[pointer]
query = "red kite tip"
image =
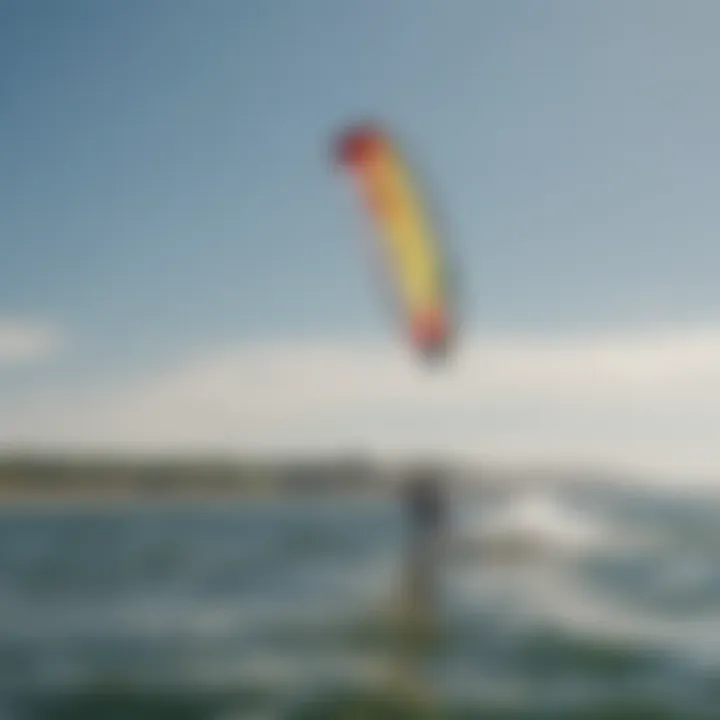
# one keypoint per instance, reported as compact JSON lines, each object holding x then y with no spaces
{"x":358,"y":144}
{"x":430,"y":331}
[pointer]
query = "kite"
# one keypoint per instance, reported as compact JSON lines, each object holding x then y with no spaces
{"x":412,"y":247}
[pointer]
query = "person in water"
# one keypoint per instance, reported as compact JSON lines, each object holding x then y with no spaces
{"x":427,"y":518}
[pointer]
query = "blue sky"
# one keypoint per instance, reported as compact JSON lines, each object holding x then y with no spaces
{"x":166,"y":186}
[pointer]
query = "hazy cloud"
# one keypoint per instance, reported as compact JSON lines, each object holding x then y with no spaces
{"x":26,"y":341}
{"x":642,"y":400}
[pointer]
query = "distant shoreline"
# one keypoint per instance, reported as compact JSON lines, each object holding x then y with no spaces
{"x":98,"y":481}
{"x":33,"y":480}
{"x":23,"y":504}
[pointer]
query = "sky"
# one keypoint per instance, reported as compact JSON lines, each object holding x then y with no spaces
{"x":182,"y":267}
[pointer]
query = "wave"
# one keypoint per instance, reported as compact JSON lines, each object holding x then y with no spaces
{"x":530,"y":526}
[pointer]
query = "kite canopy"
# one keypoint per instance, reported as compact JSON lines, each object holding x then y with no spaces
{"x":412,"y":248}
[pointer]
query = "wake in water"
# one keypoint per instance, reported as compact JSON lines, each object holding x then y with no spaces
{"x":529,"y":527}
{"x":616,"y":576}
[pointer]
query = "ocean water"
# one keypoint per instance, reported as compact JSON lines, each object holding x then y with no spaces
{"x":579,"y":602}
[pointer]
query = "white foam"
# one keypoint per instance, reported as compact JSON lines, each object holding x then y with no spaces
{"x":555,"y":597}
{"x":531,"y":525}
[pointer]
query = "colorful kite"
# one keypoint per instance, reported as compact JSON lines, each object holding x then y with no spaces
{"x":412,"y":246}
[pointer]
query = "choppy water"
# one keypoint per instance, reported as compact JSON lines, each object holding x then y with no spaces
{"x":577,"y":603}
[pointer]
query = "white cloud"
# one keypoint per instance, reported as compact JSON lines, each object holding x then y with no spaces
{"x":23,"y":341}
{"x":648,"y":400}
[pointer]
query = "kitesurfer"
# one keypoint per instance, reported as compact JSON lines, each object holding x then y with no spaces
{"x":427,"y":513}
